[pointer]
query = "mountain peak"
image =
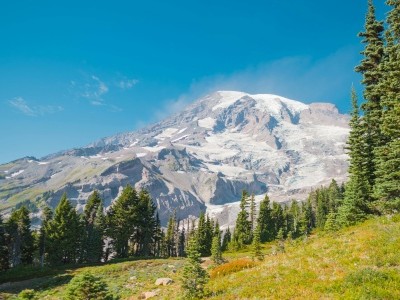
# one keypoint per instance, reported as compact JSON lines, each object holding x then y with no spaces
{"x":203,"y":156}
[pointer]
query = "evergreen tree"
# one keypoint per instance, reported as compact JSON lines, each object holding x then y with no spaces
{"x":226,"y":240}
{"x":4,"y":252}
{"x":47,"y":216}
{"x":94,"y":226}
{"x":121,"y":220}
{"x":181,"y":243}
{"x":216,"y":252}
{"x":256,"y":244}
{"x":202,"y":235}
{"x":295,"y":220}
{"x":252,"y":213}
{"x":88,"y":286}
{"x":277,"y":218}
{"x":307,"y":218}
{"x":170,"y":237}
{"x":335,"y":196}
{"x":370,"y":68}
{"x":242,"y":233}
{"x":21,"y":239}
{"x":157,"y":237}
{"x":143,"y":238}
{"x":387,"y":187}
{"x":194,"y":277}
{"x":357,"y":195}
{"x":63,"y":234}
{"x":265,"y":221}
{"x":331,"y":223}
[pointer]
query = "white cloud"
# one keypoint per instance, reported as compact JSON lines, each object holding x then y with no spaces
{"x":126,"y":84}
{"x":33,"y":111}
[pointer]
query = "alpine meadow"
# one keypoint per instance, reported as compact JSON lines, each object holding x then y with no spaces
{"x":222,"y":193}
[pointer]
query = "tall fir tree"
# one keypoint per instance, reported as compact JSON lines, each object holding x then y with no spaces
{"x":265,"y":221}
{"x":387,"y":187}
{"x":21,"y":239}
{"x":370,"y":68}
{"x":121,"y":220}
{"x":242,"y":233}
{"x":194,"y":277}
{"x":94,"y":226}
{"x":216,"y":252}
{"x":64,"y":234}
{"x":42,"y":245}
{"x":226,"y":239}
{"x":4,"y":252}
{"x":357,"y":195}
{"x":256,"y":244}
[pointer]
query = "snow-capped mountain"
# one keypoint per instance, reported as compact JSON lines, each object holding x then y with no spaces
{"x":201,"y":157}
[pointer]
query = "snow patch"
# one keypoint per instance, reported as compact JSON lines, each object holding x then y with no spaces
{"x":17,"y":173}
{"x":41,"y":163}
{"x":167,"y":133}
{"x":154,"y":149}
{"x":228,"y":98}
{"x":141,"y":154}
{"x":180,"y":138}
{"x":207,"y":123}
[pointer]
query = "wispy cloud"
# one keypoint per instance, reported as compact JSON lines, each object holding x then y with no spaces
{"x":301,"y":78}
{"x":98,"y":91}
{"x":33,"y":111}
{"x":126,"y":84}
{"x":93,"y":90}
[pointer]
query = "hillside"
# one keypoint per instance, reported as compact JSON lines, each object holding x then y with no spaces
{"x":359,"y":262}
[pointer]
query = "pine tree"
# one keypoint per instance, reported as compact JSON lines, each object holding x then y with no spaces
{"x":331,"y":223}
{"x":94,"y":225}
{"x":121,"y":221}
{"x":157,"y":237}
{"x":216,"y":252}
{"x":42,"y":245}
{"x":252,"y":213}
{"x":226,"y":240}
{"x":357,"y":195}
{"x":277,"y":218}
{"x":370,"y":68}
{"x":63,"y":234}
{"x":145,"y":225}
{"x":242,"y":233}
{"x":170,"y":237}
{"x":387,"y":187}
{"x":194,"y":277}
{"x":265,"y":221}
{"x":256,"y":244}
{"x":202,"y":235}
{"x":4,"y":253}
{"x":88,"y":286}
{"x":21,"y":239}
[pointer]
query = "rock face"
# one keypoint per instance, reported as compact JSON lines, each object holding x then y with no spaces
{"x":201,"y":157}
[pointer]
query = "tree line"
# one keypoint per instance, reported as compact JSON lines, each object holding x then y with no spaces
{"x":131,"y":228}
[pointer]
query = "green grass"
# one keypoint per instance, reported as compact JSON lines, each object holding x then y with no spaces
{"x":359,"y":262}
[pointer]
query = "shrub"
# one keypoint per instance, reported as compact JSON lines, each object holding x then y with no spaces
{"x":87,"y":286}
{"x":232,"y":267}
{"x":27,"y":295}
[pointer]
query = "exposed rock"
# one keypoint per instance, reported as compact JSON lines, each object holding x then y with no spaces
{"x":164,"y":281}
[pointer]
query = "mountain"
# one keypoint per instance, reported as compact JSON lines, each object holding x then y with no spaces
{"x":202,"y":157}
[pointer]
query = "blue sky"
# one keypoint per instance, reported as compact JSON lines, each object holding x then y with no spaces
{"x":75,"y":71}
